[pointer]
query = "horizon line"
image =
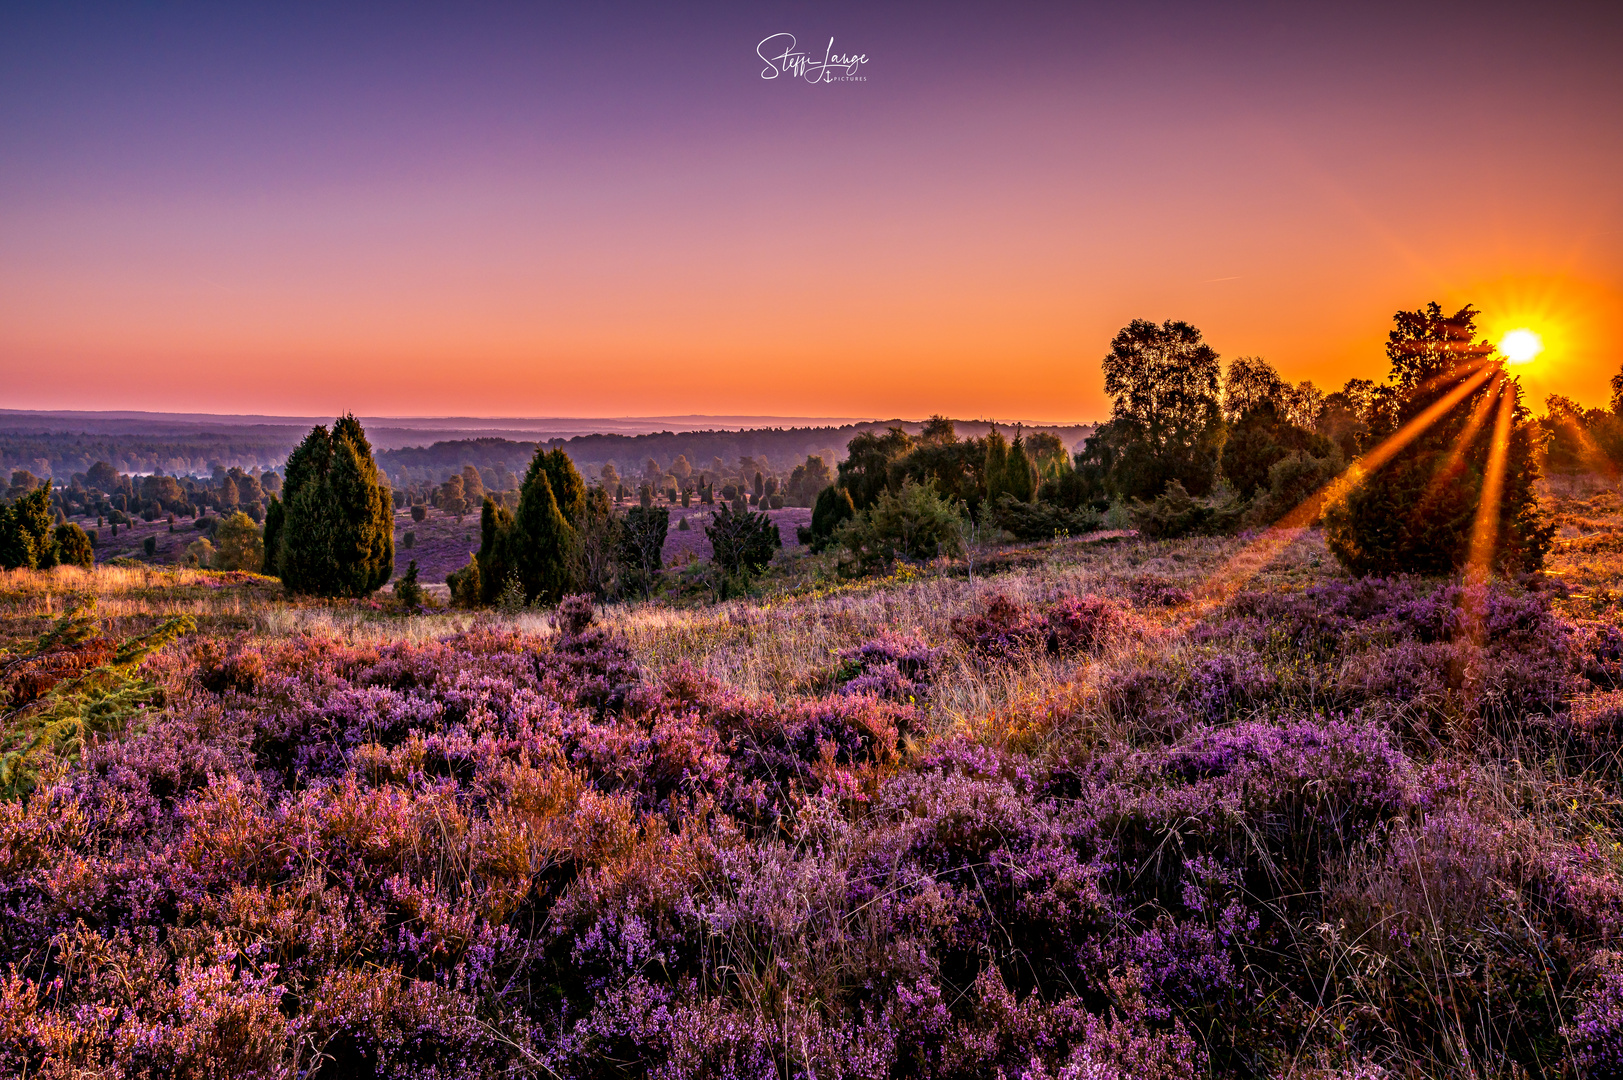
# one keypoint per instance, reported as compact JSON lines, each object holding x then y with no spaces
{"x":758,"y":419}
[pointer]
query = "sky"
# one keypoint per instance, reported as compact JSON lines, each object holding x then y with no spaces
{"x":538,"y":210}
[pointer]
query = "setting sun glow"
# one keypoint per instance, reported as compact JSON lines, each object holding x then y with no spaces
{"x":1521,"y":346}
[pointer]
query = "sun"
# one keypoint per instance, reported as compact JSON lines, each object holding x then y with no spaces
{"x":1521,"y":346}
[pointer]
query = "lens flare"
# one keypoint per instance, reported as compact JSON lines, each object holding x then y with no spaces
{"x":1521,"y":346}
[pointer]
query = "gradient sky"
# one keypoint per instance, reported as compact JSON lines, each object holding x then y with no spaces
{"x":533,"y":210}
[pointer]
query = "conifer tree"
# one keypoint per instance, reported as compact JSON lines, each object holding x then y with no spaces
{"x":997,"y":465}
{"x":542,"y":537}
{"x":336,"y":536}
{"x":568,"y":488}
{"x":833,"y":506}
{"x":274,"y":517}
{"x":1019,"y":474}
{"x":497,"y":557}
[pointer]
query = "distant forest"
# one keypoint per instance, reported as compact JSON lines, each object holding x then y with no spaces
{"x":779,"y":448}
{"x":63,"y":447}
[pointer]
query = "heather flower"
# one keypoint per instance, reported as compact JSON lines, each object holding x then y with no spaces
{"x":1596,"y":1029}
{"x":889,"y":666}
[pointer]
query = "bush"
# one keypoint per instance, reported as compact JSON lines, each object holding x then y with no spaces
{"x":497,"y":559}
{"x":642,"y":546}
{"x":510,"y":601}
{"x":419,"y":513}
{"x":541,"y":536}
{"x":238,"y":545}
{"x":1042,"y":520}
{"x":150,"y":546}
{"x":1292,"y":480}
{"x":1176,"y":513}
{"x":742,"y":541}
{"x":406,"y":588}
{"x":538,"y":543}
{"x":832,"y":507}
{"x":464,"y":585}
{"x":26,"y":539}
{"x":598,"y":536}
{"x":1260,"y":440}
{"x":73,"y":546}
{"x":914,"y":523}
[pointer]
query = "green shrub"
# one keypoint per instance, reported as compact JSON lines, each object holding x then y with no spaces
{"x":541,"y":538}
{"x":464,"y":585}
{"x":510,"y":601}
{"x":832,"y":506}
{"x":596,"y":553}
{"x":406,"y":588}
{"x":914,"y":523}
{"x":1176,"y":513}
{"x":238,"y":545}
{"x":73,"y":546}
{"x":642,"y":545}
{"x":199,"y":554}
{"x":1292,"y":481}
{"x":26,"y":537}
{"x":1041,"y":520}
{"x":742,"y":542}
{"x":498,"y":555}
{"x":1259,"y":440}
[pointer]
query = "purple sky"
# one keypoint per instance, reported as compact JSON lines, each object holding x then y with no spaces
{"x":524,"y":210}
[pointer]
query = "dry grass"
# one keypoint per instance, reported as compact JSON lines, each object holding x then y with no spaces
{"x":780,"y":645}
{"x":787,"y":643}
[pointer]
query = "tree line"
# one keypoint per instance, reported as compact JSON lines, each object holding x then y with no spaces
{"x":1191,"y":448}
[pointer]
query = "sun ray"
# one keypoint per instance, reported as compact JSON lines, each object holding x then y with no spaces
{"x":1485,"y":527}
{"x":1594,"y":458}
{"x":1250,"y":560}
{"x":1456,"y":456}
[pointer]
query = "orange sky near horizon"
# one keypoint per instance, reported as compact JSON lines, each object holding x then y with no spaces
{"x":940,"y":250}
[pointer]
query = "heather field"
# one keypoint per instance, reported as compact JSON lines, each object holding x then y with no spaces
{"x":1107,"y":808}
